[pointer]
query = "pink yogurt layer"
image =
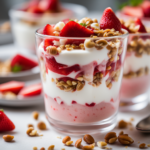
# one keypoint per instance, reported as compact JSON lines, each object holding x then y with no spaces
{"x":80,"y":113}
{"x":133,"y":87}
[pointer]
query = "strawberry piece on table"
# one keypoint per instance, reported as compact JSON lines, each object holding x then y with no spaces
{"x":51,"y":5}
{"x":73,"y":29}
{"x":48,"y":30}
{"x":31,"y":90}
{"x":109,"y":20}
{"x":12,"y":86}
{"x":5,"y":123}
{"x":133,"y":11}
{"x":22,"y":61}
{"x":141,"y":26}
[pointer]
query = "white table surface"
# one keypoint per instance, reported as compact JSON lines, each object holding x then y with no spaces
{"x":22,"y":117}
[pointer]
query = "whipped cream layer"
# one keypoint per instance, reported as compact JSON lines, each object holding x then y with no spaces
{"x":88,"y":94}
{"x":133,"y":63}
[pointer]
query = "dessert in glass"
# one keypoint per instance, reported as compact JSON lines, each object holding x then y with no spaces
{"x":133,"y":9}
{"x":26,"y":18}
{"x":81,"y":70}
{"x":136,"y":77}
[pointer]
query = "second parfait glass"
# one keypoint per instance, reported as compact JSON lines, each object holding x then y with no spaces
{"x":136,"y":78}
{"x":81,"y":80}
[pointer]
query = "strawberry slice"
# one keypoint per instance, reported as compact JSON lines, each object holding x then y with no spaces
{"x":48,"y":30}
{"x":31,"y":90}
{"x":141,"y":26}
{"x":12,"y":86}
{"x":5,"y":123}
{"x":24,"y":62}
{"x":124,"y":27}
{"x":73,"y":29}
{"x":109,"y":20}
{"x":133,"y":11}
{"x":35,"y":10}
{"x":51,"y":5}
{"x":146,"y":8}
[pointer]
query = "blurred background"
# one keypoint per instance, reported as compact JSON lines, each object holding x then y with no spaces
{"x":91,"y":5}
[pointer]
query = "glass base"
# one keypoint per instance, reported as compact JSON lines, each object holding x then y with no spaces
{"x":83,"y":128}
{"x":134,"y":104}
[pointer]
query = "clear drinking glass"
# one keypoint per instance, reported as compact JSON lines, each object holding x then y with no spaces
{"x":81,"y":81}
{"x":136,"y":78}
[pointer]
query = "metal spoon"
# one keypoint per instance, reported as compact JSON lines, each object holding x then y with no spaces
{"x":144,"y":125}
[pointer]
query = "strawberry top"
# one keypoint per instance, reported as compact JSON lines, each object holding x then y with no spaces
{"x":109,"y":20}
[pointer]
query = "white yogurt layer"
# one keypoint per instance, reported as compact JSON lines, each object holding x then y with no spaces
{"x":133,"y":63}
{"x":89,"y":93}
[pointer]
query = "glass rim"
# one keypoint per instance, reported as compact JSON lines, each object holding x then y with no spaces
{"x":82,"y":38}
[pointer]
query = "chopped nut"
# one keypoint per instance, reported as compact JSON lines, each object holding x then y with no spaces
{"x":8,"y":138}
{"x":148,"y":145}
{"x":80,"y":78}
{"x":101,"y":144}
{"x":30,"y":125}
{"x":62,"y":148}
{"x":108,"y":68}
{"x":59,"y":137}
{"x":89,"y":147}
{"x":78,"y":143}
{"x":125,"y":140}
{"x":35,"y":148}
{"x":68,"y":143}
{"x":52,"y":50}
{"x":41,"y":125}
{"x":35,"y":115}
{"x":122,"y":124}
{"x":66,"y":139}
{"x":31,"y":132}
{"x":131,"y":119}
{"x":42,"y":148}
{"x":109,"y":136}
{"x":88,"y":139}
{"x":89,"y":44}
{"x":80,"y":86}
{"x":95,"y":20}
{"x":112,"y":140}
{"x":52,"y":80}
{"x":51,"y":147}
{"x":142,"y":146}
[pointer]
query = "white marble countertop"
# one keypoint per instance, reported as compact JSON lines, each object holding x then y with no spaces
{"x":22,"y":117}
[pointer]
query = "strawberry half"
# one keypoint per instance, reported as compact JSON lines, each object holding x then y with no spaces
{"x":48,"y":30}
{"x":51,"y":5}
{"x":124,"y":27}
{"x":31,"y":90}
{"x":73,"y":29}
{"x":133,"y":11}
{"x":24,"y":62}
{"x":12,"y":86}
{"x":5,"y":123}
{"x":146,"y":8}
{"x":109,"y":20}
{"x":141,"y":26}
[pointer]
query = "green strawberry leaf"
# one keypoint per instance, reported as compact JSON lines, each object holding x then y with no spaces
{"x":83,"y":24}
{"x":2,"y":110}
{"x":17,"y":68}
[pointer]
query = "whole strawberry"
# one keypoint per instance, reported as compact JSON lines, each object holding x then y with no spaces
{"x":109,"y":20}
{"x":5,"y":123}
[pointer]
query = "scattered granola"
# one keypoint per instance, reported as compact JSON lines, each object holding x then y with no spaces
{"x":125,"y":139}
{"x":69,"y":143}
{"x":88,"y":139}
{"x":35,"y":115}
{"x":89,"y":147}
{"x":35,"y":148}
{"x":51,"y":147}
{"x":66,"y":139}
{"x":32,"y":132}
{"x":101,"y":144}
{"x":42,"y":148}
{"x":41,"y":125}
{"x":8,"y":138}
{"x":30,"y":125}
{"x":122,"y":124}
{"x":110,"y":137}
{"x":142,"y":146}
{"x":78,"y":143}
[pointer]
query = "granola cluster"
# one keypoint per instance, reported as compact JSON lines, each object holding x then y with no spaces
{"x":5,"y":67}
{"x":139,"y":73}
{"x":139,"y":45}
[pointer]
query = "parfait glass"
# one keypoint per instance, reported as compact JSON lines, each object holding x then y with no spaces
{"x":81,"y":80}
{"x":136,"y":77}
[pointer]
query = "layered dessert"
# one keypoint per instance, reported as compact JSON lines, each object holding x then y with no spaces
{"x":32,"y":15}
{"x":136,"y":78}
{"x":81,"y":67}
